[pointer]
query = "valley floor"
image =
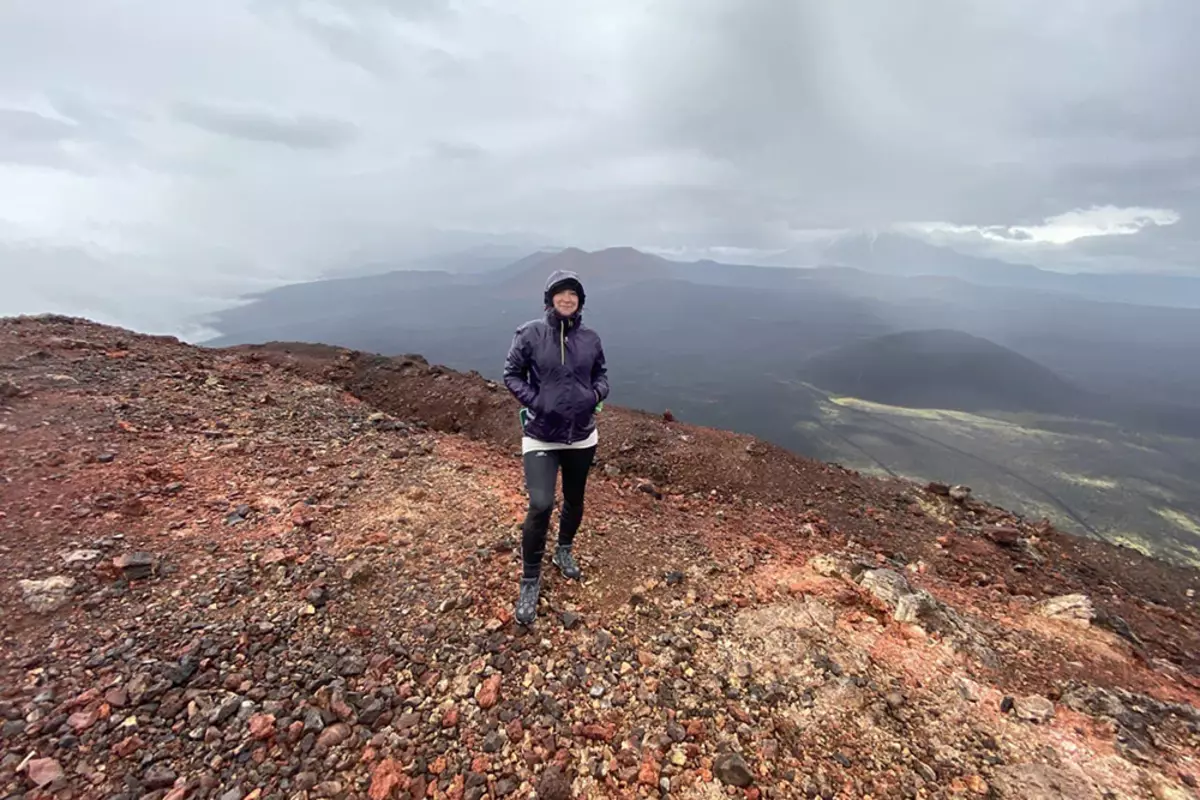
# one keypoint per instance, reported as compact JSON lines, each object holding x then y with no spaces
{"x":1091,"y":478}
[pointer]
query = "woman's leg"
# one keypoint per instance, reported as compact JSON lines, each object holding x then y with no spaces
{"x":541,"y":475}
{"x":576,"y":464}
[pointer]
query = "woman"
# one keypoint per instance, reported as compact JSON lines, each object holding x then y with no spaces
{"x":555,"y":368}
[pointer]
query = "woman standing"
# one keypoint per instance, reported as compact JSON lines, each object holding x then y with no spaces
{"x":555,"y":368}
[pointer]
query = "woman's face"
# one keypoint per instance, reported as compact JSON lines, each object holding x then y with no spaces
{"x":566,"y":302}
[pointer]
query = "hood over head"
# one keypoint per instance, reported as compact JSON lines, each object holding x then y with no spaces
{"x":559,"y":279}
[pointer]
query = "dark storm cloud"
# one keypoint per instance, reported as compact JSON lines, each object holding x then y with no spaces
{"x":983,"y":113}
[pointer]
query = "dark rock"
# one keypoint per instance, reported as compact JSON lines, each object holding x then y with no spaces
{"x":352,"y":666}
{"x":554,"y":785}
{"x":1004,"y":536}
{"x":158,"y":776}
{"x":135,"y":566}
{"x":185,"y":671}
{"x":732,"y":769}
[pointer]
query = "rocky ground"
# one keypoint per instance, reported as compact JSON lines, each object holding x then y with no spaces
{"x":288,"y":572}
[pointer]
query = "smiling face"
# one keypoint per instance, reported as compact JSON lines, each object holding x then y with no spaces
{"x":566,"y":302}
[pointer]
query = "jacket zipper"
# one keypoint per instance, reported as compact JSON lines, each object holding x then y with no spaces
{"x":562,"y":345}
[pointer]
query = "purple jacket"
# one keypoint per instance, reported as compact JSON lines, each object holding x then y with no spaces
{"x":555,"y":368}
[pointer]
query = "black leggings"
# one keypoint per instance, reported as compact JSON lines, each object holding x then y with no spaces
{"x":541,"y":476}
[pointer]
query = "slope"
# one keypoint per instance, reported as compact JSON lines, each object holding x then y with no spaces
{"x":942,"y":369}
{"x":275,"y":572}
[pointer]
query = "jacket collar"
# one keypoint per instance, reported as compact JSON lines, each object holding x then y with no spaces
{"x":556,"y":320}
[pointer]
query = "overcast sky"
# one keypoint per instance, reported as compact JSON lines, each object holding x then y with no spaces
{"x":151,"y":149}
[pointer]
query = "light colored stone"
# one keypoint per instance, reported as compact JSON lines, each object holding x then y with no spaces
{"x":1075,"y":608}
{"x":48,"y":594}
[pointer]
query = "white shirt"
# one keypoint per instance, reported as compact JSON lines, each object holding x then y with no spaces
{"x":529,"y":444}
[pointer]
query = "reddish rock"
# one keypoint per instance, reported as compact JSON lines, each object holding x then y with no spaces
{"x":262,"y":727}
{"x":648,"y":774}
{"x":387,"y":780}
{"x":1005,"y":536}
{"x":44,"y":771}
{"x":334,"y":735}
{"x":597,"y":732}
{"x":488,"y":693}
{"x":80,"y":721}
{"x":450,"y":718}
{"x":127,"y":746}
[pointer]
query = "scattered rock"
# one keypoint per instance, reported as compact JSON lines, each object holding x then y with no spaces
{"x":732,"y":769}
{"x":839,"y":565}
{"x":1034,"y":708}
{"x":1073,"y":607}
{"x":387,"y":780}
{"x":81,"y":559}
{"x":135,"y":566}
{"x":48,"y":594}
{"x":334,"y":735}
{"x":1004,"y":536}
{"x":960,"y":494}
{"x":1042,"y":782}
{"x":44,"y":771}
{"x":488,"y":693}
{"x":554,"y":785}
{"x":918,"y":607}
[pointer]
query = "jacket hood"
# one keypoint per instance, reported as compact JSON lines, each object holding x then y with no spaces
{"x":560,"y":278}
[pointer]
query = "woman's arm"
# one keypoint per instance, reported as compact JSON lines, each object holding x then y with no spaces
{"x":516,"y":365}
{"x":600,"y":373}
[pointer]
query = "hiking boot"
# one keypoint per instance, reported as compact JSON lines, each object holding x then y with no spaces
{"x":527,"y":601}
{"x":567,"y":564}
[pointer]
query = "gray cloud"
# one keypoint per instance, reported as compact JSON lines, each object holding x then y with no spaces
{"x":26,"y":126}
{"x":27,"y":137}
{"x":315,"y":132}
{"x":683,"y":125}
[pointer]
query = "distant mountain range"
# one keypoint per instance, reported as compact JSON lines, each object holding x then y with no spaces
{"x":761,"y":317}
{"x":898,"y":254}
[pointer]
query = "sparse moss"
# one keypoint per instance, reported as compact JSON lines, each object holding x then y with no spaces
{"x":1088,"y":480}
{"x":1179,"y":520}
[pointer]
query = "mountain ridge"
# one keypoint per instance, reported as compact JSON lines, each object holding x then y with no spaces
{"x":291,"y":566}
{"x":941,"y":368}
